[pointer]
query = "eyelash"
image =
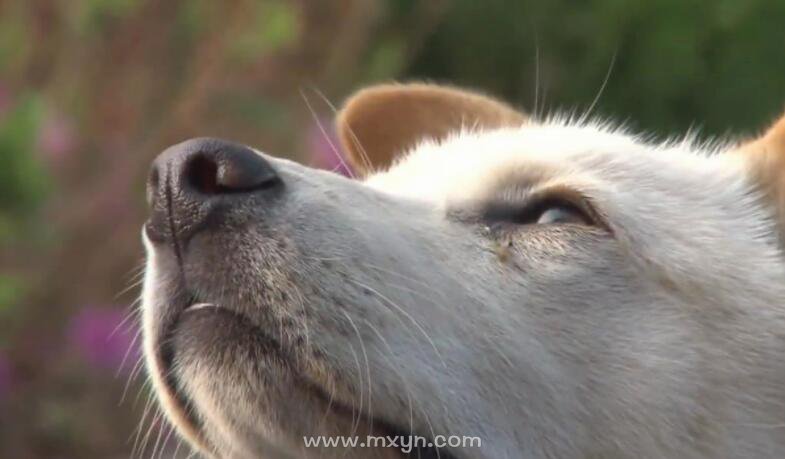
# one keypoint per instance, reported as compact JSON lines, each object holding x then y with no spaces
{"x":510,"y":213}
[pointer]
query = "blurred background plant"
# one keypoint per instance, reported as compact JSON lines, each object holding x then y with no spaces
{"x":91,"y":90}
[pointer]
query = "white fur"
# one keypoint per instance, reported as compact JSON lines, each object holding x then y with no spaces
{"x":691,"y":299}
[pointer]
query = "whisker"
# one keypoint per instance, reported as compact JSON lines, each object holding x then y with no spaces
{"x":150,"y":392}
{"x":301,"y":303}
{"x":536,"y":73}
{"x":128,"y":351}
{"x":404,"y":277}
{"x":405,"y":314}
{"x":135,"y":372}
{"x":148,"y":435}
{"x":602,"y":89}
{"x":355,"y":141}
{"x":137,"y":281}
{"x":136,"y":270}
{"x":139,"y":441}
{"x":177,"y":448}
{"x":331,"y":392}
{"x":397,"y":372}
{"x":134,"y":311}
{"x":316,"y":120}
{"x":356,"y":425}
{"x":166,"y":441}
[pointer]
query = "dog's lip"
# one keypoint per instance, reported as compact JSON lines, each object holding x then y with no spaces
{"x":164,"y":355}
{"x":188,"y":415}
{"x":197,"y":306}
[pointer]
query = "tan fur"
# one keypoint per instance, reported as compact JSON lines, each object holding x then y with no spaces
{"x":379,"y":122}
{"x":766,"y":160}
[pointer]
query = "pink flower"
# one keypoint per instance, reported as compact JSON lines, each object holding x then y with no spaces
{"x":56,"y":137}
{"x":325,"y":149}
{"x":103,"y":340}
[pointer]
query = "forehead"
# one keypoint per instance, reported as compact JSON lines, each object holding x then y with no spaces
{"x":473,"y":165}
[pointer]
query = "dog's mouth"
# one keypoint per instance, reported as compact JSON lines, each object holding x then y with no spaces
{"x":186,"y":412}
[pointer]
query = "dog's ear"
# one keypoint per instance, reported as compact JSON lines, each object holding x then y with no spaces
{"x":378,"y":123}
{"x":765,"y":158}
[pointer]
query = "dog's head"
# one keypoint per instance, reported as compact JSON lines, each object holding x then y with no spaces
{"x":554,"y":288}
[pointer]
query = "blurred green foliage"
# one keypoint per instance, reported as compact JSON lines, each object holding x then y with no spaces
{"x":274,"y":27}
{"x":91,"y":90}
{"x":22,"y":177}
{"x":719,"y":66}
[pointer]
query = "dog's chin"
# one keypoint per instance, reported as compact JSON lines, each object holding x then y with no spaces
{"x":244,"y":395}
{"x":224,"y":371}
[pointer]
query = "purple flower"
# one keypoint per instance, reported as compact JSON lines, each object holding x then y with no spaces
{"x":325,"y":149}
{"x":56,"y":138}
{"x":103,"y":340}
{"x":6,"y":377}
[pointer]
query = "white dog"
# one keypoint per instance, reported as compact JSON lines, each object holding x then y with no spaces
{"x":553,"y":288}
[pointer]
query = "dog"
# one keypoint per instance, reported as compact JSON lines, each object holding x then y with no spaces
{"x":553,"y":288}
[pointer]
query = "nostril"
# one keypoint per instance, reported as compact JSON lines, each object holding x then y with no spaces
{"x":201,"y":172}
{"x":227,"y":168}
{"x":189,"y":185}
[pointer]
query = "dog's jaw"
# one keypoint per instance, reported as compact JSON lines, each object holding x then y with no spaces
{"x":156,"y":368}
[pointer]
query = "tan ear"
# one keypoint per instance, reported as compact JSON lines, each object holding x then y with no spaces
{"x":765,"y":157}
{"x":378,"y":123}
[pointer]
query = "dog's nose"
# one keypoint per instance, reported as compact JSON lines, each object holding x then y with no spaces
{"x":189,"y":180}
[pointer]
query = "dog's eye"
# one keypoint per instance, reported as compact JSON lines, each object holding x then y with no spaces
{"x":544,"y":212}
{"x":560,"y":214}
